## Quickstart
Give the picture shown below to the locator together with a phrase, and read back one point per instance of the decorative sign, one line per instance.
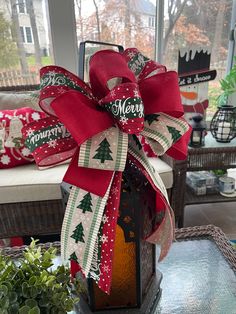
(194, 75)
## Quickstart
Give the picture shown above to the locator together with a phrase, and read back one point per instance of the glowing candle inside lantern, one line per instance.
(223, 130)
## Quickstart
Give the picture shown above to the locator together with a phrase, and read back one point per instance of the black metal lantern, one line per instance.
(223, 124)
(135, 279)
(197, 138)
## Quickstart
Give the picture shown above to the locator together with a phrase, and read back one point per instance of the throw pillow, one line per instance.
(13, 152)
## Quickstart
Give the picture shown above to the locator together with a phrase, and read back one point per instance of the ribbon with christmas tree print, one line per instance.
(129, 96)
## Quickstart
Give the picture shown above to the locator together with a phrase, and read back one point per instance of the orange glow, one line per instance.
(123, 291)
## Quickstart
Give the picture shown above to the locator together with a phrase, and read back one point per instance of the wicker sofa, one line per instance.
(30, 199)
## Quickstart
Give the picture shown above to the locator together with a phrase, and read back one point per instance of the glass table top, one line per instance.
(196, 280)
(210, 142)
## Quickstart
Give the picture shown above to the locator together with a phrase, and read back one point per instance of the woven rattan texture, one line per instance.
(211, 158)
(31, 218)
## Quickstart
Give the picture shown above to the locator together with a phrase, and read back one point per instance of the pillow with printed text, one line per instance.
(13, 152)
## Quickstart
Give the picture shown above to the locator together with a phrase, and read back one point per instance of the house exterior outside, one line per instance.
(25, 24)
(125, 22)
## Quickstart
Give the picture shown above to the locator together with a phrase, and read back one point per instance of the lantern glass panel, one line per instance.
(196, 137)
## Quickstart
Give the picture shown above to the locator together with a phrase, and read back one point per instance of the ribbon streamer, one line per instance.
(130, 97)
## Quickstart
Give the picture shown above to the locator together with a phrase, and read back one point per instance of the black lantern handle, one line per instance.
(82, 53)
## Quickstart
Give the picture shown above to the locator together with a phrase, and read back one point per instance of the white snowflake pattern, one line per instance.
(51, 73)
(114, 190)
(61, 90)
(104, 238)
(106, 133)
(131, 54)
(35, 116)
(136, 93)
(1, 115)
(106, 268)
(123, 120)
(52, 143)
(113, 93)
(105, 219)
(29, 132)
(5, 159)
(25, 151)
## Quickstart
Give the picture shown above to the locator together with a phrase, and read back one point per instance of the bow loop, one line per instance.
(140, 65)
(105, 66)
(125, 104)
(55, 81)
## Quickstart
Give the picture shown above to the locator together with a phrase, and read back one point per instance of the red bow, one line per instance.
(142, 99)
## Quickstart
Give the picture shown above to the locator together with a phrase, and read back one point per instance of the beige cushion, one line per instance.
(27, 183)
(10, 100)
(164, 170)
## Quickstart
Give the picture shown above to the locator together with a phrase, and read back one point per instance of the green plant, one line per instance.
(30, 285)
(228, 85)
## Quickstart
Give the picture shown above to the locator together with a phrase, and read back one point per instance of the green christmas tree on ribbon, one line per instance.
(78, 233)
(103, 151)
(85, 203)
(73, 257)
(174, 133)
(137, 141)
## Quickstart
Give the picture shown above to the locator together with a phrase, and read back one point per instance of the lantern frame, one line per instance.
(197, 138)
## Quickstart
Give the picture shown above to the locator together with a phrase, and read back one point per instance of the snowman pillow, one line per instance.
(13, 152)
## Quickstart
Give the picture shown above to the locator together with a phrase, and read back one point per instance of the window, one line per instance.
(29, 48)
(28, 35)
(198, 25)
(125, 22)
(151, 21)
(22, 6)
(132, 22)
(22, 34)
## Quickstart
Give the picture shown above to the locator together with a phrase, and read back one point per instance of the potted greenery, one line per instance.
(223, 123)
(30, 285)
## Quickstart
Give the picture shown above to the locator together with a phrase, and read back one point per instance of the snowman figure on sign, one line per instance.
(194, 74)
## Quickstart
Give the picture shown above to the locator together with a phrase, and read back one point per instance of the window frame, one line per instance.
(65, 36)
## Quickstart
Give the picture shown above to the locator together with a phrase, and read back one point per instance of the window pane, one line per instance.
(129, 23)
(22, 34)
(21, 6)
(198, 24)
(25, 45)
(28, 34)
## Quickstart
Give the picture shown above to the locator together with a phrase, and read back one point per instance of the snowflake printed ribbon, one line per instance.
(130, 97)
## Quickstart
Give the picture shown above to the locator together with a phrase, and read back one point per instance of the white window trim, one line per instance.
(232, 41)
(25, 35)
(25, 10)
(159, 30)
(63, 33)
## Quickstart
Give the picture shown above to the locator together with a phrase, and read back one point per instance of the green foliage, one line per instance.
(219, 172)
(30, 285)
(45, 60)
(8, 49)
(228, 86)
(213, 93)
